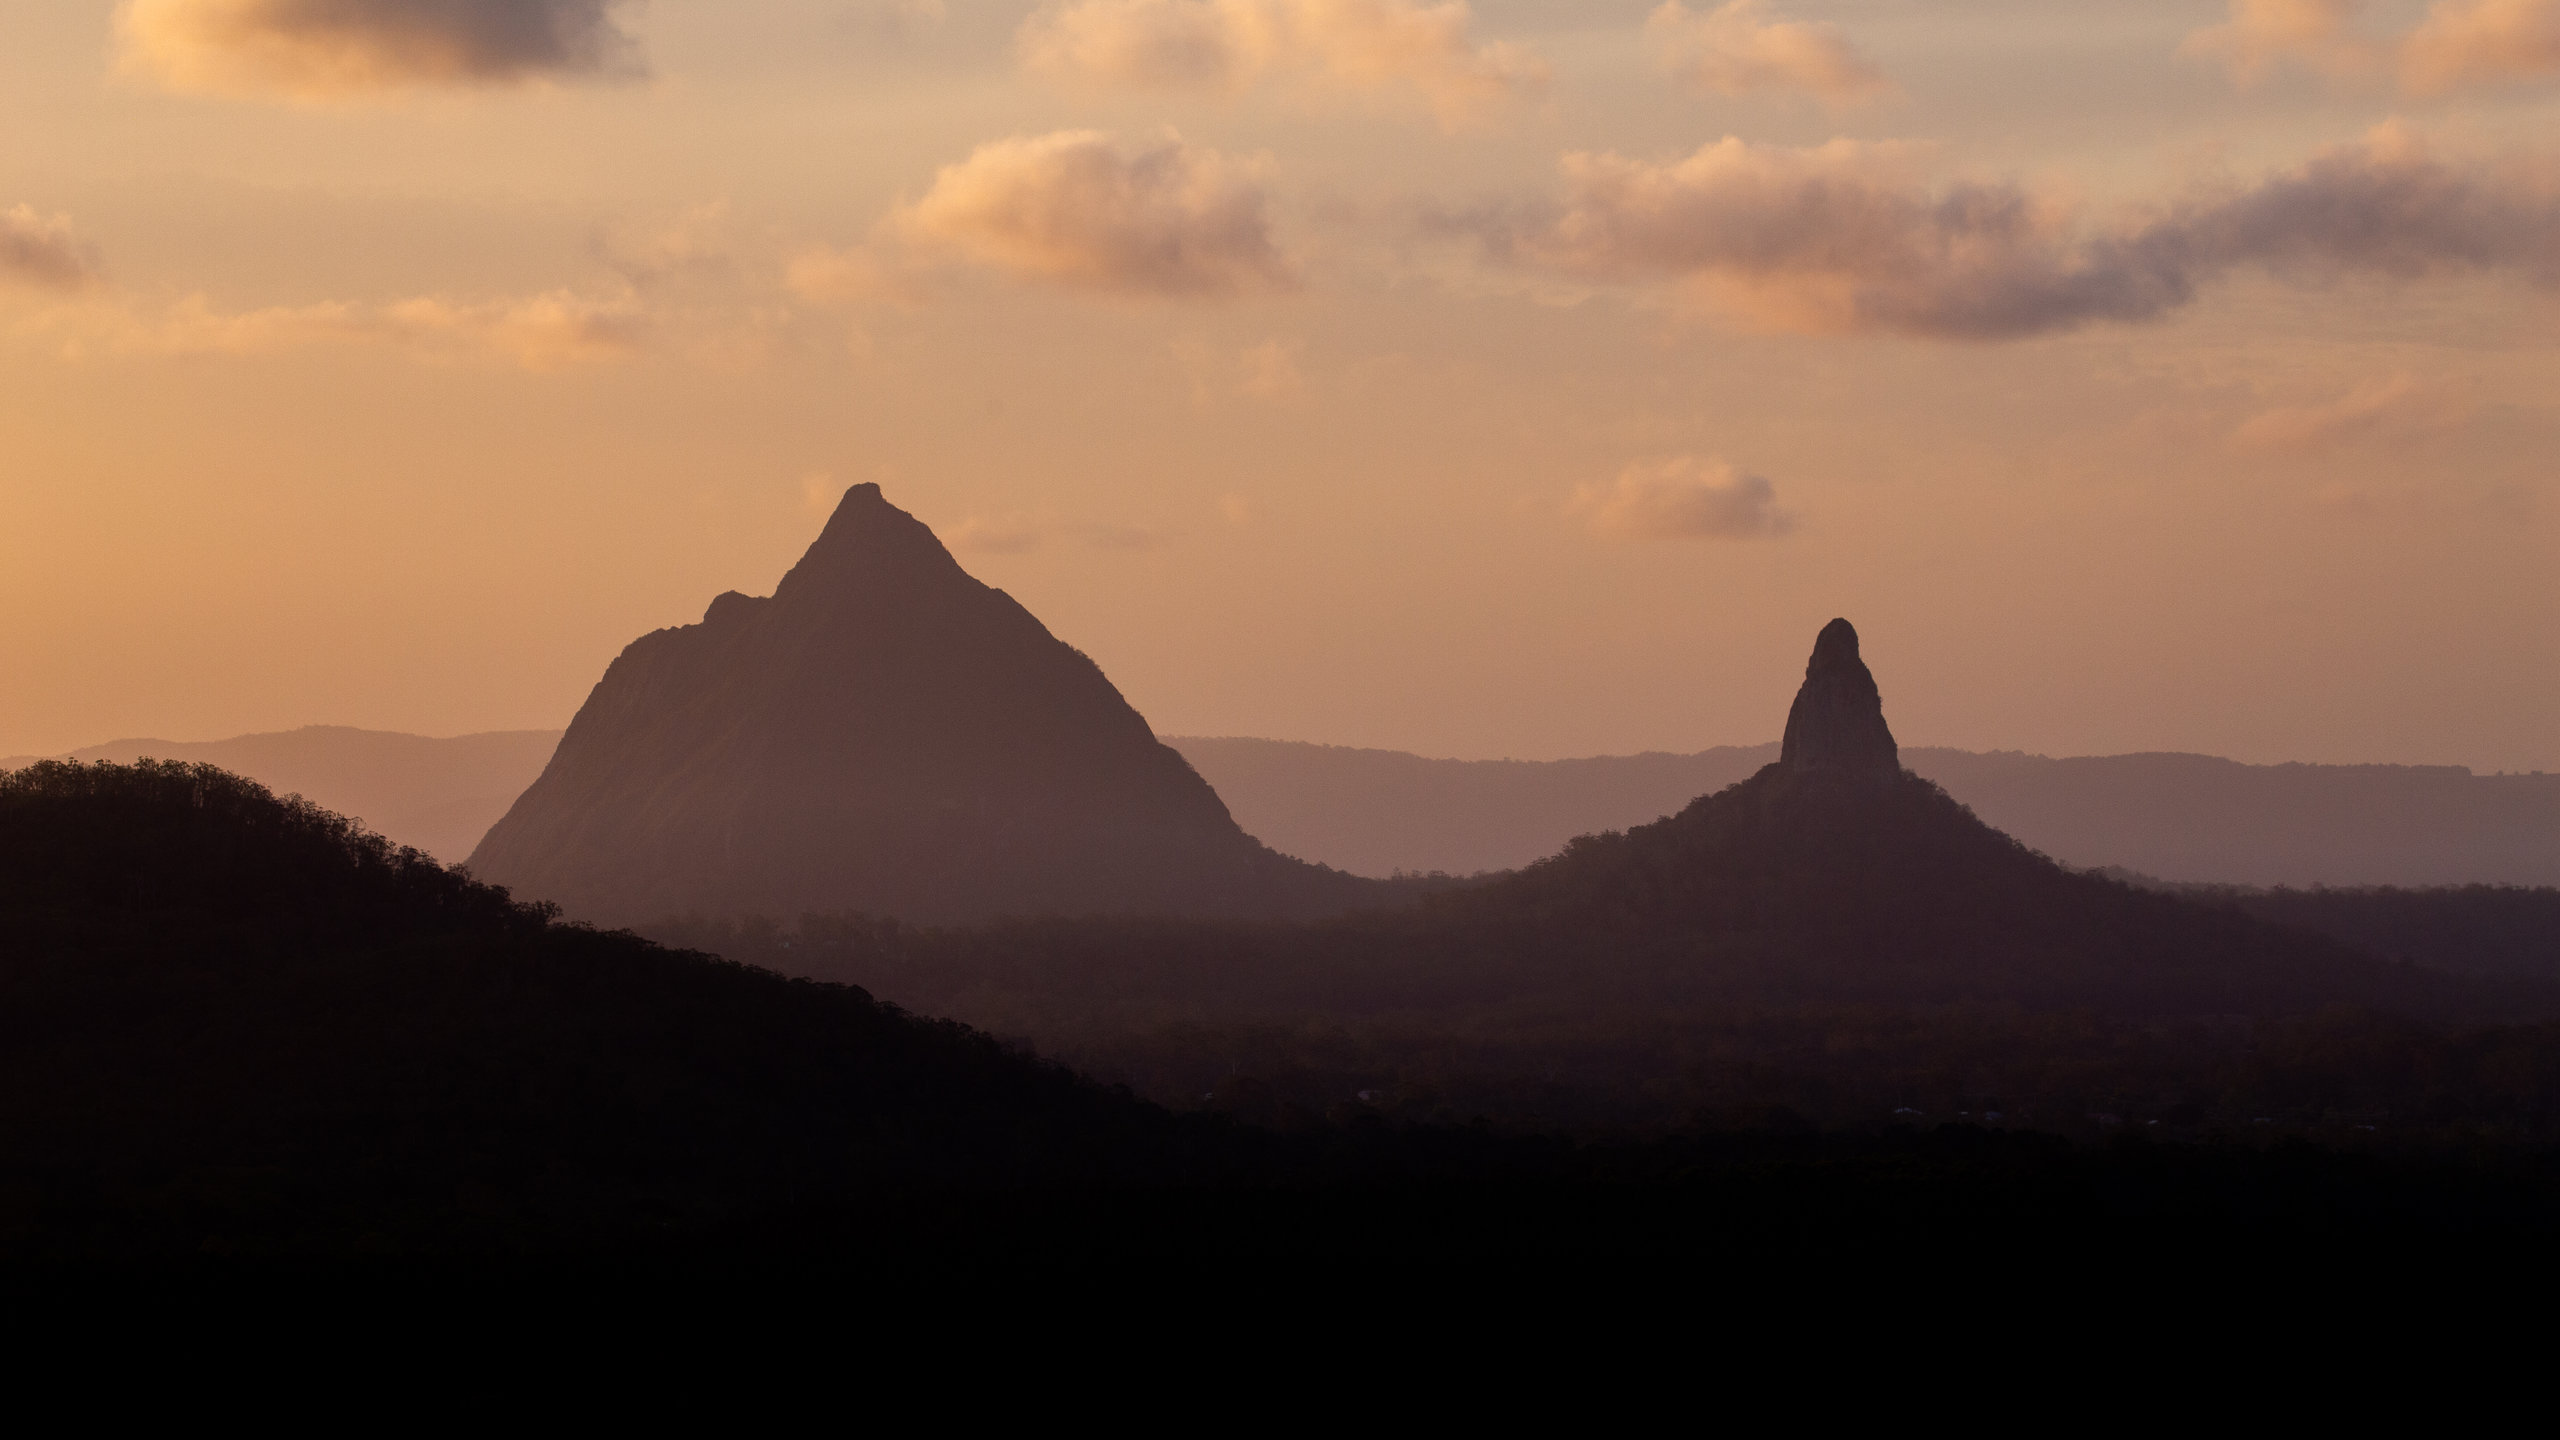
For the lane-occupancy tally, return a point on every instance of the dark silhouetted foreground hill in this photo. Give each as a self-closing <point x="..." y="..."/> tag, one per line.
<point x="439" y="795"/>
<point x="227" y="1014"/>
<point x="883" y="734"/>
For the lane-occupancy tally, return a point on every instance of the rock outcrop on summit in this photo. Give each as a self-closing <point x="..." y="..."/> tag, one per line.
<point x="884" y="734"/>
<point x="1837" y="722"/>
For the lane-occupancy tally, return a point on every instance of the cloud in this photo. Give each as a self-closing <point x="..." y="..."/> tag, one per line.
<point x="824" y="275"/>
<point x="330" y="49"/>
<point x="693" y="244"/>
<point x="1269" y="371"/>
<point x="556" y="330"/>
<point x="2479" y="42"/>
<point x="1079" y="210"/>
<point x="550" y="331"/>
<point x="1683" y="499"/>
<point x="553" y="331"/>
<point x="1019" y="532"/>
<point x="40" y="251"/>
<point x="2460" y="43"/>
<point x="2391" y="407"/>
<point x="1231" y="45"/>
<point x="1850" y="237"/>
<point x="2262" y="35"/>
<point x="1012" y="534"/>
<point x="1738" y="48"/>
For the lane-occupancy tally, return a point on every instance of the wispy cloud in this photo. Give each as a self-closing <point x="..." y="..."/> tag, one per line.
<point x="1010" y="534"/>
<point x="1231" y="45"/>
<point x="1741" y="48"/>
<point x="333" y="49"/>
<point x="42" y="252"/>
<point x="2458" y="45"/>
<point x="1851" y="237"/>
<point x="556" y="330"/>
<point x="1019" y="532"/>
<point x="2262" y="36"/>
<point x="1682" y="499"/>
<point x="1080" y="210"/>
<point x="2391" y="407"/>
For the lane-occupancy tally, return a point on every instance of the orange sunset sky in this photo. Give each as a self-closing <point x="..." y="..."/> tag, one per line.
<point x="1526" y="378"/>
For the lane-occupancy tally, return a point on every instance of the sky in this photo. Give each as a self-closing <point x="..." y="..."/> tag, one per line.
<point x="1521" y="379"/>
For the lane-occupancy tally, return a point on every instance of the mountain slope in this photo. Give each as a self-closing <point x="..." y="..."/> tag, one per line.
<point x="884" y="734"/>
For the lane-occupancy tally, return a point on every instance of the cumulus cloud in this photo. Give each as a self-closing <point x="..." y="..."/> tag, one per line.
<point x="1740" y="48"/>
<point x="40" y="251"/>
<point x="1849" y="237"/>
<point x="327" y="49"/>
<point x="2459" y="43"/>
<point x="2391" y="407"/>
<point x="1683" y="499"/>
<point x="1080" y="210"/>
<point x="1230" y="45"/>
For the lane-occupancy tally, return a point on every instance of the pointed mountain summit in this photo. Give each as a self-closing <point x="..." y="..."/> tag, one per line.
<point x="1837" y="722"/>
<point x="883" y="734"/>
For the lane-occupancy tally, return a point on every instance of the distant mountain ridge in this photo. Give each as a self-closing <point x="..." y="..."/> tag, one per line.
<point x="885" y="734"/>
<point x="438" y="795"/>
<point x="2188" y="818"/>
<point x="2192" y="819"/>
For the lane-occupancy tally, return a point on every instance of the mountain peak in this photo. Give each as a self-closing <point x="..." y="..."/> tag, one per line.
<point x="868" y="539"/>
<point x="1837" y="722"/>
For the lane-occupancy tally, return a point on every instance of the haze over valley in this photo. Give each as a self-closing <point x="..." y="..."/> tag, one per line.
<point x="2192" y="819"/>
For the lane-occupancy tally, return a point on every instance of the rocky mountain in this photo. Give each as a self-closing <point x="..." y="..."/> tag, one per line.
<point x="1834" y="874"/>
<point x="1837" y="721"/>
<point x="883" y="734"/>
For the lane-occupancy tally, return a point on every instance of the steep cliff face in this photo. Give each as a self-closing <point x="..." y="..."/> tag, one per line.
<point x="884" y="734"/>
<point x="1837" y="722"/>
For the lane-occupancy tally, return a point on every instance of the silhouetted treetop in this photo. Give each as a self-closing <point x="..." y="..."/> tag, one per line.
<point x="163" y="836"/>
